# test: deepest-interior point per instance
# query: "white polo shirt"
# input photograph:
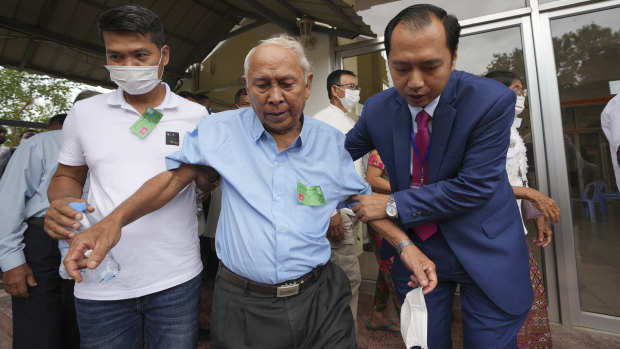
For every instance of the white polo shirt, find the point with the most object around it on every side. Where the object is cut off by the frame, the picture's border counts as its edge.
(159, 250)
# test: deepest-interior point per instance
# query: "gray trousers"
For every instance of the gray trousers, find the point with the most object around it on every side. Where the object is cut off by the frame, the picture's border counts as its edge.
(344, 254)
(317, 317)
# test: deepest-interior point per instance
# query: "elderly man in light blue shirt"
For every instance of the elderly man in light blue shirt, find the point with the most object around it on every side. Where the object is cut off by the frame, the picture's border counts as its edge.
(41, 301)
(282, 176)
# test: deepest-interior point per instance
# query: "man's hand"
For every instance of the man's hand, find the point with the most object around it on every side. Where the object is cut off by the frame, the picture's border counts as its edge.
(335, 232)
(206, 177)
(370, 207)
(60, 216)
(544, 233)
(100, 238)
(423, 269)
(17, 280)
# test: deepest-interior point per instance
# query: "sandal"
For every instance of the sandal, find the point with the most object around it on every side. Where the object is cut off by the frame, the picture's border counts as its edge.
(386, 328)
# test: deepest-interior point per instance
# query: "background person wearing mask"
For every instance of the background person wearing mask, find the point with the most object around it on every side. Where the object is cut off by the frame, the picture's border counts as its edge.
(343, 231)
(242, 100)
(5, 152)
(535, 331)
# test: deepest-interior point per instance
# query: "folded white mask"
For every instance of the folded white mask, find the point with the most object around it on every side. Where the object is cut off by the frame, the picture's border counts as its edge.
(414, 319)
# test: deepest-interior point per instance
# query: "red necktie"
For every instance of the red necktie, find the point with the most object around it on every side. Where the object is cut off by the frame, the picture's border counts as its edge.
(422, 141)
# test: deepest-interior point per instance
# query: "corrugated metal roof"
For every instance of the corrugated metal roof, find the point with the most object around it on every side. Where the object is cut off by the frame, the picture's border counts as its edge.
(60, 37)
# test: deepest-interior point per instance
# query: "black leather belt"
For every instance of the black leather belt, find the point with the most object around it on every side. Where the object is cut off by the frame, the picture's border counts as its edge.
(35, 221)
(284, 289)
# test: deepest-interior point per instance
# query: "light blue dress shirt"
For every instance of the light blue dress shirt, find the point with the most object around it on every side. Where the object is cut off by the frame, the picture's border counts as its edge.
(23, 192)
(264, 233)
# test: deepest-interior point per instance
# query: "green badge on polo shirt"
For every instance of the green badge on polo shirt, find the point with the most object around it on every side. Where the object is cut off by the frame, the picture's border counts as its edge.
(310, 195)
(146, 123)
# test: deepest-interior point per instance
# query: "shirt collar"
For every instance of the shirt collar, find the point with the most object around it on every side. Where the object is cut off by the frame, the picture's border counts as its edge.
(171, 100)
(258, 129)
(429, 108)
(335, 108)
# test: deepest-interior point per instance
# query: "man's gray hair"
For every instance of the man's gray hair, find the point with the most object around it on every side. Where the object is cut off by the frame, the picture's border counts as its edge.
(284, 41)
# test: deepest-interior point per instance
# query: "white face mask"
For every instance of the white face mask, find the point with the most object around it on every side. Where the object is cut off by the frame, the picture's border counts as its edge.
(520, 105)
(136, 79)
(351, 98)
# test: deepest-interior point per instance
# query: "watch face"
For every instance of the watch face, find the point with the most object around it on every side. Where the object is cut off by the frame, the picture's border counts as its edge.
(391, 209)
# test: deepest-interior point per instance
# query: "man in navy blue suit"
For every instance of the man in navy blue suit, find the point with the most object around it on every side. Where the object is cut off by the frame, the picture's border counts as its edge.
(443, 135)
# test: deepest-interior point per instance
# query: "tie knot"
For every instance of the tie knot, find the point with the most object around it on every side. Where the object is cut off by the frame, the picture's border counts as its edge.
(422, 119)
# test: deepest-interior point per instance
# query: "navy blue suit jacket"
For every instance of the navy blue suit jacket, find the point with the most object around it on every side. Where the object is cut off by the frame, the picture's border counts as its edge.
(467, 193)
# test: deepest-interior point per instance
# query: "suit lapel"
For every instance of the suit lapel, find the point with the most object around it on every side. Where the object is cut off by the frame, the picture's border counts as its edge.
(402, 144)
(443, 118)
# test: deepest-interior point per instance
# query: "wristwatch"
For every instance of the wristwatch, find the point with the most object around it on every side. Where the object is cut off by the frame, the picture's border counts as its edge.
(390, 208)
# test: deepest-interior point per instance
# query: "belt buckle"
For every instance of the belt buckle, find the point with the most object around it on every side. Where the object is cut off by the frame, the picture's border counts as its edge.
(287, 290)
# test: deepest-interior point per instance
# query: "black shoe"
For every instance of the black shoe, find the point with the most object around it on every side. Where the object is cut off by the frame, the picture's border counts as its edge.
(204, 334)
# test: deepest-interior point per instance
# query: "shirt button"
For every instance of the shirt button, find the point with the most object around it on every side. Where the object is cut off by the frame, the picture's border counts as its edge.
(278, 198)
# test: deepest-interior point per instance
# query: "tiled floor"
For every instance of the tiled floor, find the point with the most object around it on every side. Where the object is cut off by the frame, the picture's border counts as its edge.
(562, 338)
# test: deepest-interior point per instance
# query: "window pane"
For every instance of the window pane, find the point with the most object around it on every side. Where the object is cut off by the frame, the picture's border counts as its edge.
(587, 52)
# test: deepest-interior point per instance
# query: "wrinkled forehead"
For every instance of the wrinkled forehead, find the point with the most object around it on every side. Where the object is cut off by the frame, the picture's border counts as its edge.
(275, 61)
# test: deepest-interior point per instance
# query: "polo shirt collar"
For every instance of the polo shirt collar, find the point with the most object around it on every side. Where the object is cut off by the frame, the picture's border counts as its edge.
(116, 97)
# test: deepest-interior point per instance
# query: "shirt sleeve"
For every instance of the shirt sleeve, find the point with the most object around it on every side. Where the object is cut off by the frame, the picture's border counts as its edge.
(19, 183)
(71, 151)
(352, 184)
(194, 147)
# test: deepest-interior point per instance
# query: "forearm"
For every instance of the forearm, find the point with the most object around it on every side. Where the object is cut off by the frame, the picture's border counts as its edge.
(389, 231)
(153, 195)
(379, 185)
(522, 192)
(67, 182)
(64, 187)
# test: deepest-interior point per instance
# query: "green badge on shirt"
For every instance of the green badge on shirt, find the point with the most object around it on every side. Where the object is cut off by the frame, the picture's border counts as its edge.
(146, 123)
(311, 195)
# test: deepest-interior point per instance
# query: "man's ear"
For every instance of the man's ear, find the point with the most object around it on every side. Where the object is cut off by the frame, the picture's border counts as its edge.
(245, 81)
(165, 53)
(309, 85)
(456, 51)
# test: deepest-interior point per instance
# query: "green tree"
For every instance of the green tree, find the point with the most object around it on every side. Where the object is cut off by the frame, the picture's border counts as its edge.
(32, 97)
(512, 61)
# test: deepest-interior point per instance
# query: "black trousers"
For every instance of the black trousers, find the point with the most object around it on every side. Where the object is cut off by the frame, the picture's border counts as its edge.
(318, 317)
(47, 318)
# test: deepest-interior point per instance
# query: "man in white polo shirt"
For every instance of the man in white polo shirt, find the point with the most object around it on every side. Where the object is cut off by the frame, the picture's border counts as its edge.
(122, 138)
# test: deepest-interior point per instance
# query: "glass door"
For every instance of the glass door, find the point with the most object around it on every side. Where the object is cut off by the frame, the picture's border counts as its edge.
(579, 51)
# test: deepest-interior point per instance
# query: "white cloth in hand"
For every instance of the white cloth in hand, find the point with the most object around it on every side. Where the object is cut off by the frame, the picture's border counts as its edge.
(414, 319)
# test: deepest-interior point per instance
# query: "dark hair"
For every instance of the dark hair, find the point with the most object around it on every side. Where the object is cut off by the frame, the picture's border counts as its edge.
(59, 118)
(187, 94)
(27, 131)
(504, 76)
(202, 97)
(3, 129)
(334, 79)
(132, 18)
(417, 17)
(85, 94)
(242, 91)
